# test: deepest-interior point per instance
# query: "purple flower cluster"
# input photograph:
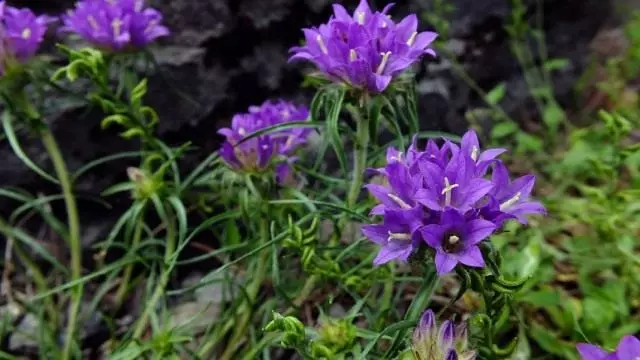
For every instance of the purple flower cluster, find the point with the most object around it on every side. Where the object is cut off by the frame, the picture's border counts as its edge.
(21, 33)
(444, 197)
(260, 153)
(367, 50)
(446, 342)
(628, 349)
(116, 25)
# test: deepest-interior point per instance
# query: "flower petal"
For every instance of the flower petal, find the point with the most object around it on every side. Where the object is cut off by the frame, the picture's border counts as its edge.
(591, 352)
(472, 257)
(628, 348)
(445, 262)
(478, 230)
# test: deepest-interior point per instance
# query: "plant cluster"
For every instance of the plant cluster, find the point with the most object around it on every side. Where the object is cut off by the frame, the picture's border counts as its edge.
(445, 233)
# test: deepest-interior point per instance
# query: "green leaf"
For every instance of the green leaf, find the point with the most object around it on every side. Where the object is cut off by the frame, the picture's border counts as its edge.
(119, 119)
(7, 124)
(496, 94)
(503, 129)
(556, 64)
(553, 116)
(131, 133)
(138, 92)
(231, 233)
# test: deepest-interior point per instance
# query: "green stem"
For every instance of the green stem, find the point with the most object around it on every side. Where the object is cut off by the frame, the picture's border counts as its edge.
(75, 245)
(126, 277)
(252, 293)
(164, 279)
(359, 159)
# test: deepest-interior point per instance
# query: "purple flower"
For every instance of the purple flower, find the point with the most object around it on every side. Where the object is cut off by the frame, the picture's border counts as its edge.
(511, 199)
(260, 153)
(446, 342)
(471, 146)
(456, 205)
(367, 50)
(456, 240)
(116, 25)
(21, 33)
(401, 192)
(456, 186)
(628, 349)
(398, 235)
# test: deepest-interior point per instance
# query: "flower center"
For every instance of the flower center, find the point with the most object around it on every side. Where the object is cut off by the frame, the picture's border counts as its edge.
(451, 243)
(353, 56)
(511, 201)
(448, 187)
(412, 38)
(26, 33)
(399, 201)
(360, 17)
(320, 42)
(242, 131)
(398, 236)
(383, 62)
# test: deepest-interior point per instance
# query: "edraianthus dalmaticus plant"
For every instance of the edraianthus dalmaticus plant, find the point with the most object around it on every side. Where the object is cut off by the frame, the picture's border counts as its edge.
(366, 50)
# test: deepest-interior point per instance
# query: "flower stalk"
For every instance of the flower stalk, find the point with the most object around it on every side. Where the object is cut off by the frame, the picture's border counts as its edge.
(75, 245)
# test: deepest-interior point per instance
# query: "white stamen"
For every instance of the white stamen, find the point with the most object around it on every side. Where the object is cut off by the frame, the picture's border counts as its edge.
(242, 131)
(360, 17)
(92, 22)
(398, 157)
(353, 56)
(447, 191)
(383, 62)
(26, 33)
(453, 239)
(320, 42)
(474, 153)
(399, 201)
(412, 38)
(511, 201)
(398, 236)
(115, 25)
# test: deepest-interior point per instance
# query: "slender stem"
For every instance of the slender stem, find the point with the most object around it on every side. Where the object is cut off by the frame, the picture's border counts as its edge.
(75, 245)
(164, 279)
(252, 293)
(126, 277)
(359, 159)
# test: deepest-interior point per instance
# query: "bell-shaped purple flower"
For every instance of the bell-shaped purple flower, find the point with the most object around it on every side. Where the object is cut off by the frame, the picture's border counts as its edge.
(455, 240)
(115, 25)
(456, 186)
(366, 50)
(397, 235)
(628, 349)
(261, 153)
(21, 33)
(470, 145)
(511, 199)
(444, 342)
(401, 191)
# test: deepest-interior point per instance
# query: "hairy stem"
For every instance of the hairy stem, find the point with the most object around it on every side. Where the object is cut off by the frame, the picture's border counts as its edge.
(75, 245)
